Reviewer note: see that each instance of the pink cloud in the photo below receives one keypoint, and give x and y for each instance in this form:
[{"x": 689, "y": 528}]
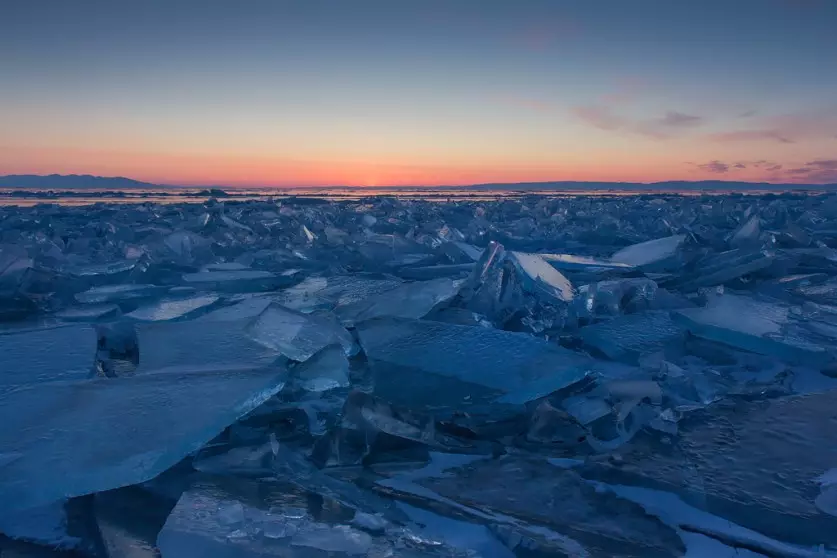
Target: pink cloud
[{"x": 787, "y": 128}]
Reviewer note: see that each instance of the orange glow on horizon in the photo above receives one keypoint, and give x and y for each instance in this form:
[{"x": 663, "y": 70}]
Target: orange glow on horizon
[{"x": 240, "y": 171}]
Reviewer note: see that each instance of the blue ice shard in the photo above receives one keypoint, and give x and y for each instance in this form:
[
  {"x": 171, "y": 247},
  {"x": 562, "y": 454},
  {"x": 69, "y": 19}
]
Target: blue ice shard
[
  {"x": 88, "y": 313},
  {"x": 174, "y": 308},
  {"x": 298, "y": 336},
  {"x": 538, "y": 277},
  {"x": 119, "y": 293},
  {"x": 410, "y": 300},
  {"x": 628, "y": 338},
  {"x": 198, "y": 345},
  {"x": 41, "y": 355},
  {"x": 445, "y": 365},
  {"x": 758, "y": 325},
  {"x": 660, "y": 254},
  {"x": 242, "y": 280},
  {"x": 94, "y": 435},
  {"x": 747, "y": 234},
  {"x": 717, "y": 269},
  {"x": 570, "y": 262}
]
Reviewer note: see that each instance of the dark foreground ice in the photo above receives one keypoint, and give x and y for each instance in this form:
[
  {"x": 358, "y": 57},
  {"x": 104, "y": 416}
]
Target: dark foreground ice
[{"x": 592, "y": 377}]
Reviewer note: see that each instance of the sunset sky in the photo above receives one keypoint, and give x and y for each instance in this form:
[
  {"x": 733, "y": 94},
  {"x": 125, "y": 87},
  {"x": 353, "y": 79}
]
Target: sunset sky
[{"x": 398, "y": 92}]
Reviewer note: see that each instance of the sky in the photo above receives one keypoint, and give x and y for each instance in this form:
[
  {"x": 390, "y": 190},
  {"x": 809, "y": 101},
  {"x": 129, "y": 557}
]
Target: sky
[{"x": 407, "y": 92}]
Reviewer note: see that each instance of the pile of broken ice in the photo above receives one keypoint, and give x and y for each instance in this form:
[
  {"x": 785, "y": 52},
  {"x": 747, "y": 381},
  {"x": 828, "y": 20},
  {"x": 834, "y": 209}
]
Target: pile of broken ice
[{"x": 645, "y": 376}]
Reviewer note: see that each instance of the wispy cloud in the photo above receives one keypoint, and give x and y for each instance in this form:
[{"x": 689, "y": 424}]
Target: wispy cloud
[
  {"x": 816, "y": 171},
  {"x": 605, "y": 118},
  {"x": 751, "y": 135},
  {"x": 717, "y": 167},
  {"x": 786, "y": 128}
]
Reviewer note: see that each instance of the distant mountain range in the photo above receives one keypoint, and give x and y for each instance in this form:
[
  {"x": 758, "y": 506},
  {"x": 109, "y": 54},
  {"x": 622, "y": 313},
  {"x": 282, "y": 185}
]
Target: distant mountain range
[
  {"x": 88, "y": 182},
  {"x": 71, "y": 182}
]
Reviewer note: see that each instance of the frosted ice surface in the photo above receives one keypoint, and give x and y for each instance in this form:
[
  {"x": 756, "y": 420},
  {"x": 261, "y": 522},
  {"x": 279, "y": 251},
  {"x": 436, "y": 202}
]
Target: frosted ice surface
[
  {"x": 542, "y": 277},
  {"x": 660, "y": 252},
  {"x": 761, "y": 326},
  {"x": 410, "y": 300},
  {"x": 95, "y": 435},
  {"x": 422, "y": 361},
  {"x": 298, "y": 336},
  {"x": 59, "y": 353},
  {"x": 628, "y": 338},
  {"x": 172, "y": 309},
  {"x": 198, "y": 345}
]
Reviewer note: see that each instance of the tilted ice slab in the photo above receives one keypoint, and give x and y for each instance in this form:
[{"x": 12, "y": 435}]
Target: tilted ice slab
[
  {"x": 410, "y": 300},
  {"x": 721, "y": 268},
  {"x": 440, "y": 364},
  {"x": 59, "y": 353},
  {"x": 570, "y": 262},
  {"x": 197, "y": 345},
  {"x": 67, "y": 439},
  {"x": 657, "y": 254},
  {"x": 761, "y": 326},
  {"x": 298, "y": 336},
  {"x": 538, "y": 277}
]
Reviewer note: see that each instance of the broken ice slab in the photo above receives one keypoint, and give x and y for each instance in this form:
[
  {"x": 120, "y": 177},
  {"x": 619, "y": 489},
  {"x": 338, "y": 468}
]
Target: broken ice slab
[
  {"x": 298, "y": 336},
  {"x": 198, "y": 345},
  {"x": 129, "y": 519},
  {"x": 42, "y": 355},
  {"x": 660, "y": 254},
  {"x": 616, "y": 297},
  {"x": 243, "y": 280},
  {"x": 327, "y": 369},
  {"x": 46, "y": 525},
  {"x": 119, "y": 293},
  {"x": 249, "y": 519},
  {"x": 560, "y": 503},
  {"x": 439, "y": 365},
  {"x": 246, "y": 308},
  {"x": 538, "y": 277},
  {"x": 756, "y": 463},
  {"x": 317, "y": 292},
  {"x": 126, "y": 431},
  {"x": 747, "y": 234},
  {"x": 410, "y": 300},
  {"x": 174, "y": 308},
  {"x": 628, "y": 338},
  {"x": 88, "y": 313},
  {"x": 436, "y": 271},
  {"x": 717, "y": 269},
  {"x": 372, "y": 431},
  {"x": 758, "y": 325},
  {"x": 570, "y": 262}
]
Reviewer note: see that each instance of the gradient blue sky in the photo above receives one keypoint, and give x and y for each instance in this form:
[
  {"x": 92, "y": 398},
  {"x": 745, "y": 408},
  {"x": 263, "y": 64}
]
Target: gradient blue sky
[{"x": 274, "y": 92}]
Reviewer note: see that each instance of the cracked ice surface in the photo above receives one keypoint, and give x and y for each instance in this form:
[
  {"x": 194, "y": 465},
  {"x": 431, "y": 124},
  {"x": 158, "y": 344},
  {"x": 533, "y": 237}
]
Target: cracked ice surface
[{"x": 529, "y": 376}]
